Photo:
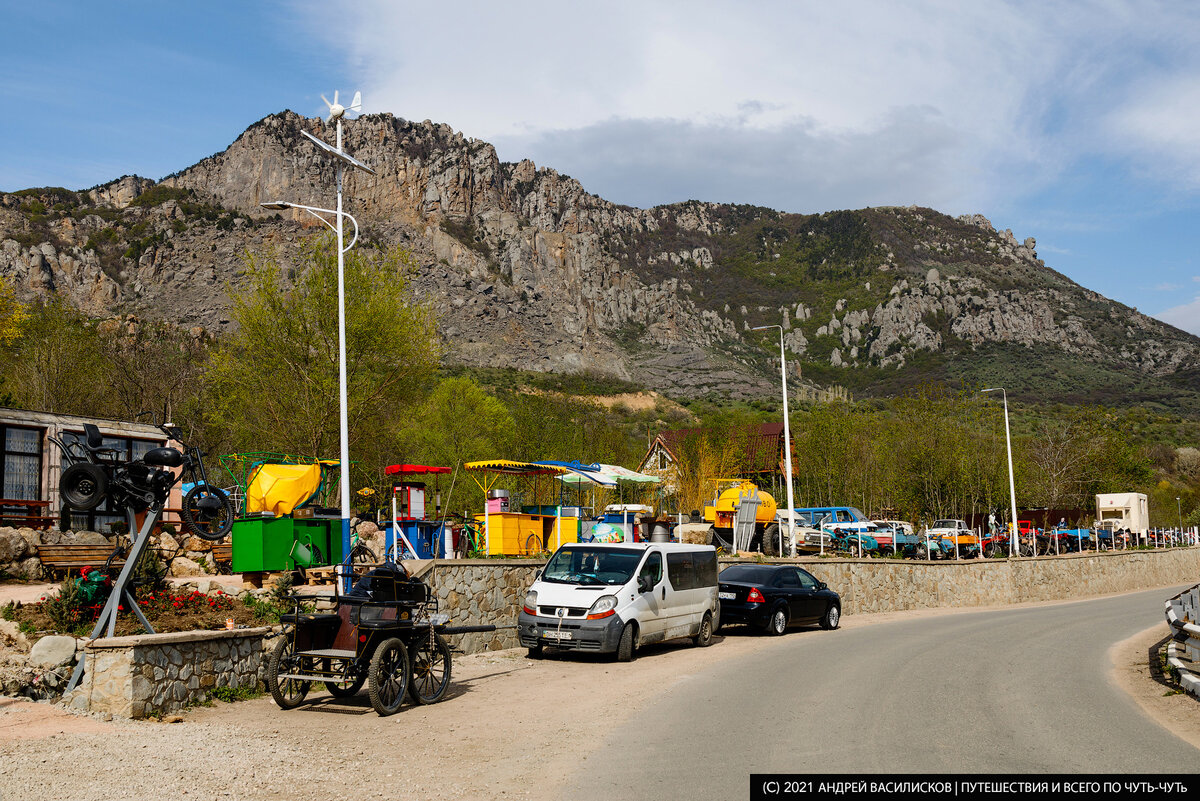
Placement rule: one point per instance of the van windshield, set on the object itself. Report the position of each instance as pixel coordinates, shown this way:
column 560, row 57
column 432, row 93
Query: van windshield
column 592, row 565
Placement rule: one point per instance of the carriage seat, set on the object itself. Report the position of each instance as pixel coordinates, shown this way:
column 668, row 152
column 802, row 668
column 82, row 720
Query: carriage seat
column 329, row 619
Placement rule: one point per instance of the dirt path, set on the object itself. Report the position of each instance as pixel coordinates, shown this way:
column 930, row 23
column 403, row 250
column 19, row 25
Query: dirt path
column 510, row 727
column 1176, row 711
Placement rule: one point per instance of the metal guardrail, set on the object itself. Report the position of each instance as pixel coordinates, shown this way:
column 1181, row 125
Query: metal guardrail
column 1183, row 654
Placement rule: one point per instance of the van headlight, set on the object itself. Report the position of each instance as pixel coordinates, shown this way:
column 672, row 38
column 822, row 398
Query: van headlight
column 530, row 605
column 605, row 606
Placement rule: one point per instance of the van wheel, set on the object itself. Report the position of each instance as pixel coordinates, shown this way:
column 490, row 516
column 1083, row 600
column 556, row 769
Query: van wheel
column 704, row 636
column 535, row 651
column 627, row 644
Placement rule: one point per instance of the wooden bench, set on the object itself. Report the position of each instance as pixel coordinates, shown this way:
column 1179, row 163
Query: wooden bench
column 223, row 556
column 64, row 558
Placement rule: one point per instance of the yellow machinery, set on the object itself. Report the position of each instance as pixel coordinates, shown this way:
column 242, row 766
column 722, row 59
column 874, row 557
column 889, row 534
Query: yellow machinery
column 719, row 519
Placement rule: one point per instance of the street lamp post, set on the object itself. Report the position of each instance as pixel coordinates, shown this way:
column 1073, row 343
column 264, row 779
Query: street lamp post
column 1012, row 487
column 343, row 160
column 787, row 444
column 1179, row 511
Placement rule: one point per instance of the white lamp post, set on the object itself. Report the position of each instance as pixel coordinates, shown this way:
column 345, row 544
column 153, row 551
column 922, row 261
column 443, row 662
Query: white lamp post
column 336, row 112
column 787, row 443
column 1012, row 487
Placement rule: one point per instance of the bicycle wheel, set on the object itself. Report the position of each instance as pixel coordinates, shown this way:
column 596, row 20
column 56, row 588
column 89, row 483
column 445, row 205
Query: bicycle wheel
column 207, row 512
column 362, row 557
column 430, row 669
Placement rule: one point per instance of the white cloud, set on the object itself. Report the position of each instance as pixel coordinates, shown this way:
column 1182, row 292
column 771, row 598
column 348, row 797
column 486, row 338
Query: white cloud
column 960, row 106
column 1167, row 287
column 1185, row 317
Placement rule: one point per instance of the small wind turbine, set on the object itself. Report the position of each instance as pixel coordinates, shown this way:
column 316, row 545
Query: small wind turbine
column 337, row 110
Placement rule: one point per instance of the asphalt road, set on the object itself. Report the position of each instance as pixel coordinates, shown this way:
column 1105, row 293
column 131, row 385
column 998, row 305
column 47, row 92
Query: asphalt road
column 1012, row 691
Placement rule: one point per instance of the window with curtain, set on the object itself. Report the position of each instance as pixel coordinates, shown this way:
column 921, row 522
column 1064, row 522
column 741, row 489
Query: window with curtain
column 22, row 463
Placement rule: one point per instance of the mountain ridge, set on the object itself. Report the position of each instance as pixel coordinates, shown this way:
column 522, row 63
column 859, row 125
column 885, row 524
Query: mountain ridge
column 526, row 269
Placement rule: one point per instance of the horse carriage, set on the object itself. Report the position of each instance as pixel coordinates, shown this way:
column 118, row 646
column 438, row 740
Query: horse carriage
column 385, row 633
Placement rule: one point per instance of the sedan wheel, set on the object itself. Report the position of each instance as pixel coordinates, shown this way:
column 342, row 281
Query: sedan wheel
column 831, row 618
column 778, row 622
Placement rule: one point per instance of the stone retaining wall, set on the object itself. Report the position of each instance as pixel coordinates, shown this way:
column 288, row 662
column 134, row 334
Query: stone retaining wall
column 477, row 591
column 151, row 674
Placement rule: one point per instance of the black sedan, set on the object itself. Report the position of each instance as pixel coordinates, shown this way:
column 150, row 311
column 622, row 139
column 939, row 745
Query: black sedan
column 772, row 597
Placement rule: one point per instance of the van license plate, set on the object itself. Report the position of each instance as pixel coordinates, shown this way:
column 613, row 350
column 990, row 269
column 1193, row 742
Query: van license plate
column 551, row 634
column 726, row 596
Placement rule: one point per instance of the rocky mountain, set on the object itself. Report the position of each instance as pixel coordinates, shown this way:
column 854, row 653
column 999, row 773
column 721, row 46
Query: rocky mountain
column 528, row 270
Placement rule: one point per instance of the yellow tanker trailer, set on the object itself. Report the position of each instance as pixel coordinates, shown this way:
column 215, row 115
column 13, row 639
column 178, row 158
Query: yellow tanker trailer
column 720, row 518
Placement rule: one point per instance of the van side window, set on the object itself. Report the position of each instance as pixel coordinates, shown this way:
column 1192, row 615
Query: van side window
column 843, row 516
column 706, row 569
column 652, row 569
column 681, row 571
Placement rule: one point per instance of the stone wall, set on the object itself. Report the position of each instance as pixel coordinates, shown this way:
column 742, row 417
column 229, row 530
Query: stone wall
column 474, row 592
column 150, row 674
column 480, row 592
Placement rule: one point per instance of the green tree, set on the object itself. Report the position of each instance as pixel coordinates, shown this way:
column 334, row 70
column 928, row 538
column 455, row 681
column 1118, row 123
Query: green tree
column 58, row 363
column 460, row 422
column 275, row 380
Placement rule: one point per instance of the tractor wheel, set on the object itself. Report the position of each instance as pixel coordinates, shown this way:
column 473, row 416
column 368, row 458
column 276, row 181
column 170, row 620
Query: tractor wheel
column 771, row 544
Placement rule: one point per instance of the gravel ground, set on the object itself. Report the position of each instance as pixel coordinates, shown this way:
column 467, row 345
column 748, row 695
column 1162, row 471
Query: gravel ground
column 510, row 728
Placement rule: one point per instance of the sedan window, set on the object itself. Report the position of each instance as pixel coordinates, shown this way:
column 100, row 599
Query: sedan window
column 787, row 578
column 806, row 580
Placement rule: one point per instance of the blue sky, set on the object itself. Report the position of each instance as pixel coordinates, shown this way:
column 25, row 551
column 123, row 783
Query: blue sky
column 1074, row 123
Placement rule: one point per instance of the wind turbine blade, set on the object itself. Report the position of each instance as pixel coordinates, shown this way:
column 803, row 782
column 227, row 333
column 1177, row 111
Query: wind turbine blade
column 335, row 97
column 323, row 97
column 329, row 119
column 357, row 104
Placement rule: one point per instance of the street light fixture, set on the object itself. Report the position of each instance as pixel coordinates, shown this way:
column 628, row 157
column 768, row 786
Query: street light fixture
column 1012, row 487
column 343, row 160
column 787, row 443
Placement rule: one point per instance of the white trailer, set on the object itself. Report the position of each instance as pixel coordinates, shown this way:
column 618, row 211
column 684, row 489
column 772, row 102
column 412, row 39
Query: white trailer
column 1124, row 510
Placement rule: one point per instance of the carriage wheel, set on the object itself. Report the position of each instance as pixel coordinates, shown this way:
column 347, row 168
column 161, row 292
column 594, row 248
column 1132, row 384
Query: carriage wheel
column 344, row 689
column 388, row 676
column 430, row 669
column 288, row 693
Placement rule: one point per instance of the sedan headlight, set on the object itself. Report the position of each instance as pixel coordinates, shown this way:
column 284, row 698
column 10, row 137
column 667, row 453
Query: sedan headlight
column 605, row 606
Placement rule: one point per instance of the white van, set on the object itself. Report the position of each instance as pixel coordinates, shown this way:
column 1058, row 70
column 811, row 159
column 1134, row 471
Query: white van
column 613, row 597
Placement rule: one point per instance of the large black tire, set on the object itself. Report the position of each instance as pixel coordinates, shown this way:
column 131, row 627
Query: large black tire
column 921, row 552
column 536, row 651
column 829, row 621
column 533, row 544
column 83, row 486
column 627, row 645
column 771, row 545
column 704, row 636
column 207, row 512
column 777, row 623
column 387, row 678
column 288, row 693
column 430, row 669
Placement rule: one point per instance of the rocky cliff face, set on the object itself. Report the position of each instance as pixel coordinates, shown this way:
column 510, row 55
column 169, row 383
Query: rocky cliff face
column 527, row 270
